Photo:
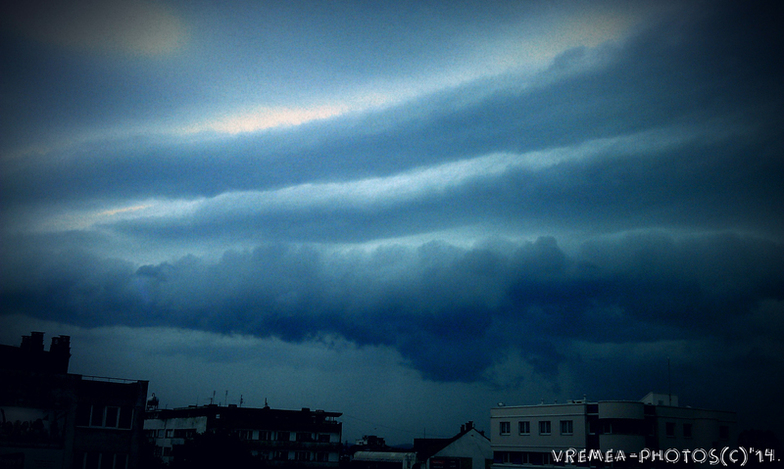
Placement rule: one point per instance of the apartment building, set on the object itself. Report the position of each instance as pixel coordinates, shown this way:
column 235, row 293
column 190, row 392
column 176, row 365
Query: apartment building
column 279, row 437
column 55, row 419
column 554, row 434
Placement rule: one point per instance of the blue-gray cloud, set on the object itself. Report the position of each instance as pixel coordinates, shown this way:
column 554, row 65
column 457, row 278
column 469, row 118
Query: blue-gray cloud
column 646, row 171
column 450, row 311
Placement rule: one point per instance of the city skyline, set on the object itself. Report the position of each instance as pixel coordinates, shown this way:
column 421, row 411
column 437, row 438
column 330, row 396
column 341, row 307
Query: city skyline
column 405, row 212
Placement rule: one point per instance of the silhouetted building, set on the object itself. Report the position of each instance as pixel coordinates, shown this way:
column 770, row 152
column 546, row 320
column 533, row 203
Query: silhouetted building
column 301, row 438
column 548, row 434
column 50, row 418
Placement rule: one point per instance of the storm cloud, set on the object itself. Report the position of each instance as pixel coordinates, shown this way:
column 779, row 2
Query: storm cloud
column 512, row 200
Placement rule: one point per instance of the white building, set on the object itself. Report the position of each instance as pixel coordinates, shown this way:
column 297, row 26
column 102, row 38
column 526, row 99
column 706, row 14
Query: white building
column 469, row 449
column 547, row 434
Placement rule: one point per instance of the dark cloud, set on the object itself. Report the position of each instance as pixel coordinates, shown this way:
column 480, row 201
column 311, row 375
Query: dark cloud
column 452, row 312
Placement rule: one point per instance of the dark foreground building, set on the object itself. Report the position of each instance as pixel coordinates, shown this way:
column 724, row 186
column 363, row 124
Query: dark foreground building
column 50, row 418
column 275, row 437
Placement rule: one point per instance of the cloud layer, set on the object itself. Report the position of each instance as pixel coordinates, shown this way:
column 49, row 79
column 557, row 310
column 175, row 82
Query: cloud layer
column 494, row 207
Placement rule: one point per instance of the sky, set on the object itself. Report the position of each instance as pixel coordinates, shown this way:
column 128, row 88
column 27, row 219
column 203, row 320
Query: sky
column 407, row 212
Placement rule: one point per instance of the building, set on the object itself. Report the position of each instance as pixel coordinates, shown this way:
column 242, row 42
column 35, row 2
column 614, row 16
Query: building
column 372, row 452
column 554, row 434
column 51, row 418
column 305, row 438
column 469, row 449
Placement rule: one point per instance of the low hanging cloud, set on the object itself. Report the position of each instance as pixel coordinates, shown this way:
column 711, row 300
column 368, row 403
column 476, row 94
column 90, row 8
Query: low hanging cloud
column 450, row 311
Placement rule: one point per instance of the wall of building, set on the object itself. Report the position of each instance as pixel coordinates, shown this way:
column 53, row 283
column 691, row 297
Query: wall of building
column 473, row 445
column 536, row 440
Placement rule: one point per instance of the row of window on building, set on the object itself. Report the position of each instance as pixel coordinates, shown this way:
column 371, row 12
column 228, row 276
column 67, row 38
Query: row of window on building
column 545, row 427
column 94, row 460
column 104, row 416
column 249, row 435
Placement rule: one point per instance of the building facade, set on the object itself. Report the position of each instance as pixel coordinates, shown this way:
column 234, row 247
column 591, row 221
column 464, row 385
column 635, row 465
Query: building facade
column 554, row 434
column 302, row 438
column 469, row 449
column 51, row 418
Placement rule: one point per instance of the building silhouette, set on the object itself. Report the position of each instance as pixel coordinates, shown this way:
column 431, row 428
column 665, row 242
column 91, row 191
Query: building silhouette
column 51, row 418
column 278, row 437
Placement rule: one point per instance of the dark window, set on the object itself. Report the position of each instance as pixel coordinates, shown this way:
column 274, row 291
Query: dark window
column 670, row 428
column 524, row 427
column 687, row 430
column 83, row 417
column 607, row 428
column 92, row 460
column 107, row 460
column 567, row 427
column 120, row 461
column 97, row 416
column 283, row 436
column 126, row 417
column 544, row 427
column 505, row 428
column 323, row 438
column 111, row 416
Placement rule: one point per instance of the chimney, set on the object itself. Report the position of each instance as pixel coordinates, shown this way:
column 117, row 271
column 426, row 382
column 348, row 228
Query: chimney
column 60, row 353
column 33, row 343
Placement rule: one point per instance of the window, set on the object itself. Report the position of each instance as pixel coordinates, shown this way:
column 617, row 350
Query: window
column 322, row 457
column 184, row 433
column 567, row 427
column 170, row 433
column 607, row 428
column 120, row 461
column 283, row 436
column 323, row 438
column 92, row 460
column 524, row 427
column 112, row 413
column 264, row 436
column 104, row 416
column 302, row 456
column 107, row 461
column 544, row 427
column 687, row 430
column 505, row 428
column 670, row 429
column 126, row 417
column 96, row 418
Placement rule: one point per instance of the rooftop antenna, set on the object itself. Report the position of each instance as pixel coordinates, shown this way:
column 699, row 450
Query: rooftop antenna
column 241, row 400
column 212, row 399
column 226, row 397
